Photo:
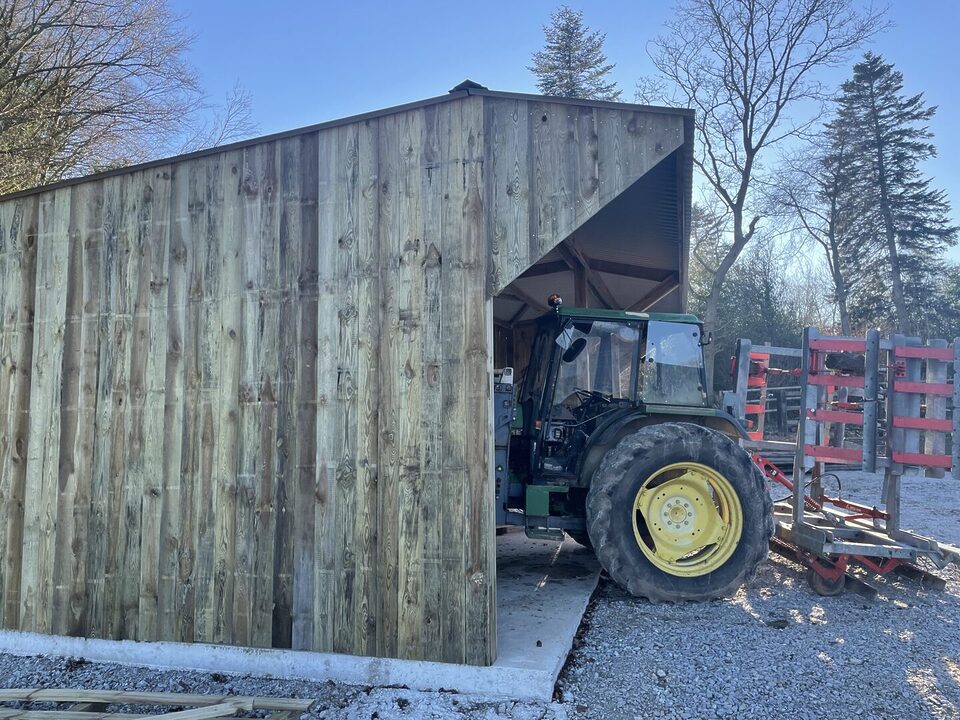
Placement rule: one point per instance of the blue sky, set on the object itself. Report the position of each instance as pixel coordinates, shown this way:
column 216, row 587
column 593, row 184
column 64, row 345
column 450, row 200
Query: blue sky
column 306, row 62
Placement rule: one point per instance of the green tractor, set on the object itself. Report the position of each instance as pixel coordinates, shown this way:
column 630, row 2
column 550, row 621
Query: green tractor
column 610, row 437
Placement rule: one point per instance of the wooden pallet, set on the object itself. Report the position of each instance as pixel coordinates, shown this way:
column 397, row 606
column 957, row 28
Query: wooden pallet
column 92, row 704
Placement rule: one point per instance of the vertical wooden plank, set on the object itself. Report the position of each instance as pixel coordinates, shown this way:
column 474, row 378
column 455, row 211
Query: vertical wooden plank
column 366, row 589
column 10, row 280
column 101, row 551
column 586, row 147
column 129, row 468
column 173, row 547
column 316, row 396
column 191, row 196
column 41, row 487
column 610, row 161
column 508, row 127
column 453, row 385
column 389, row 413
column 229, row 299
column 431, row 416
column 480, row 608
column 207, row 491
column 287, row 432
column 90, row 222
column 300, row 158
column 339, row 250
column 409, row 374
column 19, row 279
column 156, row 237
column 268, row 376
column 77, row 410
column 249, row 402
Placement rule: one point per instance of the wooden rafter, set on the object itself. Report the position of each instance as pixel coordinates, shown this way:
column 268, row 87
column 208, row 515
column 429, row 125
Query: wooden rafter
column 579, row 264
column 658, row 293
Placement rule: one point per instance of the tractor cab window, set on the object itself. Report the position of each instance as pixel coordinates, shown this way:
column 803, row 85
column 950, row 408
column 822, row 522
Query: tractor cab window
column 596, row 357
column 671, row 366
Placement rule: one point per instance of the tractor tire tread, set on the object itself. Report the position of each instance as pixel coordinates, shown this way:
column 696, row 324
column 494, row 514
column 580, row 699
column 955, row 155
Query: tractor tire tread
column 657, row 441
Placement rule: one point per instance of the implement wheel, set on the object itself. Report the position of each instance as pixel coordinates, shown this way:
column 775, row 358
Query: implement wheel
column 825, row 586
column 679, row 512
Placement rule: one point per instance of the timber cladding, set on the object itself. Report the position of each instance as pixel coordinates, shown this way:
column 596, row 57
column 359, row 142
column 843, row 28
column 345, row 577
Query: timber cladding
column 245, row 395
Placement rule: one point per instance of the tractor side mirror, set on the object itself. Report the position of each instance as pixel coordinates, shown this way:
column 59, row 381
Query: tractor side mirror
column 573, row 352
column 704, row 341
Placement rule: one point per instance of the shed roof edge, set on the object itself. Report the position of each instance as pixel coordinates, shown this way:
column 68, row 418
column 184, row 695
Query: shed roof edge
column 273, row 137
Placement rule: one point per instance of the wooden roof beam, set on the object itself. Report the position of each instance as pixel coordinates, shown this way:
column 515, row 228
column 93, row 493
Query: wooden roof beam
column 634, row 271
column 515, row 292
column 658, row 293
column 578, row 263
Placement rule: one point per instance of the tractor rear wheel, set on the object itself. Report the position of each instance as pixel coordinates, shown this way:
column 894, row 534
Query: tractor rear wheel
column 677, row 511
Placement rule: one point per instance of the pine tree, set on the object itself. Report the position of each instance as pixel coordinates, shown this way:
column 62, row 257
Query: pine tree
column 891, row 142
column 572, row 62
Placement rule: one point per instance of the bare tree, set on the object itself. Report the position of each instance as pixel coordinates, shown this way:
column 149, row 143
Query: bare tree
column 228, row 123
column 821, row 188
column 87, row 84
column 749, row 68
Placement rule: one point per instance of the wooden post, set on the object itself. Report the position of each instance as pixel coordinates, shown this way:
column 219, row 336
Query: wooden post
column 934, row 443
column 871, row 394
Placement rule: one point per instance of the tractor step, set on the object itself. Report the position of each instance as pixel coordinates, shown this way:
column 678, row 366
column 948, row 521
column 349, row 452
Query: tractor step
column 537, row 533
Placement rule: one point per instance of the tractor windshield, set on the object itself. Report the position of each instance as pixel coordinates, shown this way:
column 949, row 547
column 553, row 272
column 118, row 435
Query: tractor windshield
column 598, row 357
column 671, row 369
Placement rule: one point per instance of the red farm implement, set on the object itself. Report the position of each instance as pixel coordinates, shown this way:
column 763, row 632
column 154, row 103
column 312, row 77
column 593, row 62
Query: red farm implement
column 868, row 404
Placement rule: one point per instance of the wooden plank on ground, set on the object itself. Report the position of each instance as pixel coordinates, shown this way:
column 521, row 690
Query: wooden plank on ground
column 126, row 697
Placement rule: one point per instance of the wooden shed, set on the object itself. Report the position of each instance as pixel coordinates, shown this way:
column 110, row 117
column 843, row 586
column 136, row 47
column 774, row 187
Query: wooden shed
column 245, row 394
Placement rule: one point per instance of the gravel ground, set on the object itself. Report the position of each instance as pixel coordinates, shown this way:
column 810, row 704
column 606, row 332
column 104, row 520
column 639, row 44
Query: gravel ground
column 332, row 700
column 777, row 649
column 774, row 650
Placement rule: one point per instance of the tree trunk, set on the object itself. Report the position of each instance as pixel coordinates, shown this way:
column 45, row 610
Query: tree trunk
column 740, row 239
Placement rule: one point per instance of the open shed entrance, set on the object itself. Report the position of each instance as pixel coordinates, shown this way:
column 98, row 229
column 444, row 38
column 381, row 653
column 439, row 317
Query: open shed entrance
column 631, row 255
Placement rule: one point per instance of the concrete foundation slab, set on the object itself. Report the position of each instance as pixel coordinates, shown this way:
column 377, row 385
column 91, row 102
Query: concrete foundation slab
column 542, row 590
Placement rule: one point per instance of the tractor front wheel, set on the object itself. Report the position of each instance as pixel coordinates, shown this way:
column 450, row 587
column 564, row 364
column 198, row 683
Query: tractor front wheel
column 677, row 511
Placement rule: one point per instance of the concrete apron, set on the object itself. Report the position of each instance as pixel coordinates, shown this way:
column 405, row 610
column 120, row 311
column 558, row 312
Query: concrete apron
column 542, row 591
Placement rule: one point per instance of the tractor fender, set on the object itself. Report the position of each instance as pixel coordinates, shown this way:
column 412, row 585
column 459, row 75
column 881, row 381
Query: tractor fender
column 621, row 424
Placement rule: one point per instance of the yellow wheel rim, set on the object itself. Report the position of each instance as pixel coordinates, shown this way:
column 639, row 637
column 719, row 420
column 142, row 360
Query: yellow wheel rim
column 687, row 519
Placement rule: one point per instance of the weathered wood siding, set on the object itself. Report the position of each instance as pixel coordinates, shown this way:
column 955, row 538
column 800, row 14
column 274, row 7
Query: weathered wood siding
column 551, row 166
column 245, row 396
